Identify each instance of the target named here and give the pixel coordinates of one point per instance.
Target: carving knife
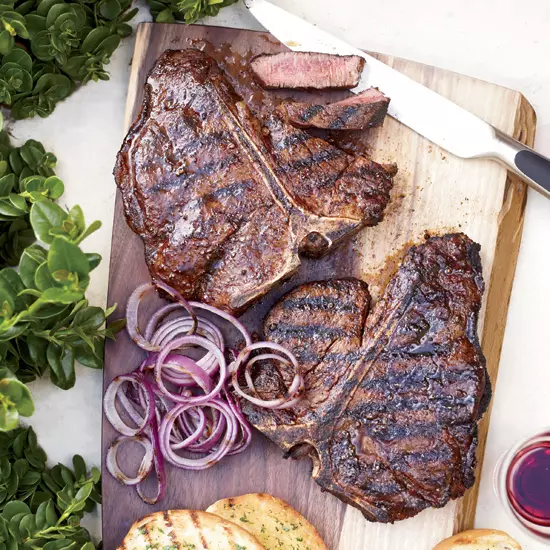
(426, 112)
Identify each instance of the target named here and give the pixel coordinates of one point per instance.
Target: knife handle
(528, 164)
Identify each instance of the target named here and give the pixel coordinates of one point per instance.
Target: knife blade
(426, 112)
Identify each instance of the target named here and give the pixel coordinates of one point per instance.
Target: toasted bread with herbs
(479, 539)
(271, 520)
(187, 530)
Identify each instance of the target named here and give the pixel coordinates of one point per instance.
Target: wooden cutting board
(434, 192)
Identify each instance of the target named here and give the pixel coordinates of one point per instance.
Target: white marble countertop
(503, 41)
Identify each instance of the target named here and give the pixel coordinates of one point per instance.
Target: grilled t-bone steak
(223, 204)
(365, 110)
(307, 70)
(390, 411)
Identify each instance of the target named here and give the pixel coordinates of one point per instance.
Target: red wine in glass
(528, 485)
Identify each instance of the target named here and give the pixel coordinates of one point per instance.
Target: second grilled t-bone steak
(307, 70)
(365, 110)
(223, 204)
(391, 407)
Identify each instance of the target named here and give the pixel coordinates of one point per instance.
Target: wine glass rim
(500, 475)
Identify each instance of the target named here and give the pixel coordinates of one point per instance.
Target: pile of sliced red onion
(177, 404)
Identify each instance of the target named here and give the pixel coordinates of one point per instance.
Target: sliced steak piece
(307, 70)
(365, 110)
(222, 207)
(391, 407)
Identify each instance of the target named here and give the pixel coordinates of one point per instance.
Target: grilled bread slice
(271, 520)
(187, 530)
(479, 539)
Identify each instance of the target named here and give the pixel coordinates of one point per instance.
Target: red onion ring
(109, 404)
(294, 391)
(220, 313)
(205, 462)
(158, 465)
(146, 462)
(186, 341)
(180, 299)
(179, 403)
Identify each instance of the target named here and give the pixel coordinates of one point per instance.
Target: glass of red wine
(522, 482)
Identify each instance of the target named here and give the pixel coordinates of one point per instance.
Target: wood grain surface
(434, 192)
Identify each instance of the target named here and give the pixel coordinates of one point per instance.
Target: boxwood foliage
(50, 47)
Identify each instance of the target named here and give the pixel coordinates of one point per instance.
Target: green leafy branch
(46, 323)
(188, 11)
(49, 47)
(42, 507)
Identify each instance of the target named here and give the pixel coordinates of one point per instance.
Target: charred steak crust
(392, 404)
(222, 204)
(307, 70)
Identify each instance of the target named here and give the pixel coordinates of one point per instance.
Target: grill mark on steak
(314, 159)
(295, 138)
(208, 169)
(389, 431)
(283, 330)
(203, 185)
(367, 109)
(324, 303)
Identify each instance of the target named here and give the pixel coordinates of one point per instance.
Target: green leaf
(44, 6)
(54, 186)
(76, 217)
(65, 256)
(41, 521)
(32, 154)
(46, 215)
(61, 362)
(129, 15)
(94, 39)
(106, 48)
(43, 278)
(27, 526)
(19, 394)
(7, 184)
(9, 417)
(51, 516)
(60, 296)
(14, 508)
(60, 544)
(7, 209)
(87, 357)
(16, 162)
(37, 349)
(44, 310)
(110, 9)
(35, 24)
(20, 57)
(15, 23)
(18, 202)
(94, 260)
(89, 318)
(93, 227)
(79, 467)
(165, 16)
(57, 84)
(33, 256)
(11, 284)
(31, 478)
(55, 11)
(6, 42)
(42, 47)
